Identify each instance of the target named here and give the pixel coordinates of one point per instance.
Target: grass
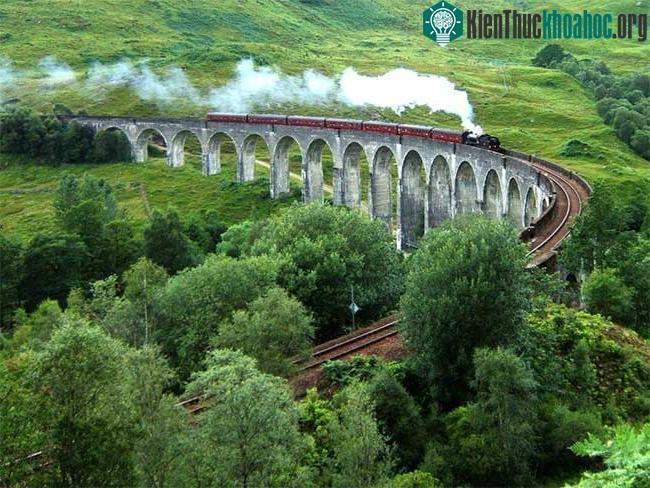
(26, 192)
(530, 109)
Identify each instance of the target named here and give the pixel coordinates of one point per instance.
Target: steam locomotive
(469, 138)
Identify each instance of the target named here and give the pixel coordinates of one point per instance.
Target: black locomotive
(484, 140)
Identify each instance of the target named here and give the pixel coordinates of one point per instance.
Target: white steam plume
(260, 87)
(8, 77)
(400, 89)
(174, 84)
(56, 72)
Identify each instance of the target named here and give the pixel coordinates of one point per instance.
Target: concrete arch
(381, 194)
(515, 211)
(492, 196)
(352, 175)
(212, 153)
(312, 171)
(141, 151)
(412, 201)
(439, 192)
(280, 166)
(176, 153)
(466, 190)
(114, 128)
(530, 209)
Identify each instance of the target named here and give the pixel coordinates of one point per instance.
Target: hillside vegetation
(531, 109)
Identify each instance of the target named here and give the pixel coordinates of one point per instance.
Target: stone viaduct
(436, 180)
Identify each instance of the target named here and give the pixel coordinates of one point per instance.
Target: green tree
(87, 418)
(626, 456)
(605, 293)
(626, 123)
(492, 440)
(166, 244)
(399, 417)
(73, 192)
(77, 143)
(118, 247)
(35, 329)
(11, 271)
(249, 436)
(21, 132)
(192, 305)
(640, 142)
(414, 479)
(467, 288)
(142, 282)
(19, 430)
(549, 56)
(274, 329)
(205, 230)
(361, 455)
(55, 263)
(599, 236)
(327, 251)
(111, 146)
(161, 422)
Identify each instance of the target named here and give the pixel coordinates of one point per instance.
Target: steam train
(469, 138)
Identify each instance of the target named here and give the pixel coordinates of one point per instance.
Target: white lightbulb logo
(443, 22)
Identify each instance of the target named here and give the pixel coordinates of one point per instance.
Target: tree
(493, 439)
(204, 230)
(118, 247)
(11, 271)
(192, 305)
(77, 143)
(626, 457)
(73, 191)
(142, 282)
(414, 479)
(467, 288)
(605, 293)
(239, 238)
(600, 235)
(640, 142)
(166, 244)
(399, 417)
(549, 56)
(111, 146)
(87, 418)
(249, 436)
(21, 132)
(55, 263)
(626, 123)
(161, 422)
(35, 329)
(326, 252)
(361, 455)
(274, 329)
(19, 430)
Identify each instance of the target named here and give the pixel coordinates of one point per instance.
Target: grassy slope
(530, 109)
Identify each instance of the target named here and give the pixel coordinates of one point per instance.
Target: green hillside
(531, 109)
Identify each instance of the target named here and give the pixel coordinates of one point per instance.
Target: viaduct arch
(435, 180)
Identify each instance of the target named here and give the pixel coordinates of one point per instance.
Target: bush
(549, 56)
(605, 293)
(575, 147)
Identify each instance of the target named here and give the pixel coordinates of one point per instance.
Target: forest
(106, 329)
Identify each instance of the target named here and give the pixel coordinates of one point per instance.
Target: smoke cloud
(56, 73)
(254, 88)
